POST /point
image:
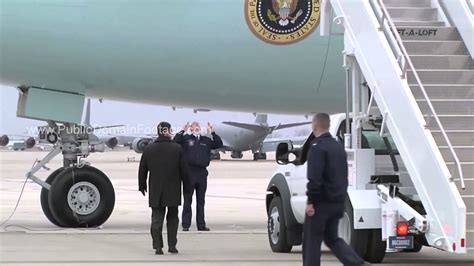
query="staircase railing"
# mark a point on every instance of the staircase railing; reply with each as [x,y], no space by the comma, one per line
[390,30]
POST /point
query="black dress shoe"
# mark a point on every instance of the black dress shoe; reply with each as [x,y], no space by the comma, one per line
[185,229]
[159,251]
[204,229]
[173,250]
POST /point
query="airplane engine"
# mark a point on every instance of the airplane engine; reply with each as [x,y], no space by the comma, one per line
[111,142]
[4,140]
[30,143]
[139,144]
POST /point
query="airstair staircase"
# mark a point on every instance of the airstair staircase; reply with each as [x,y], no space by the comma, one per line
[428,103]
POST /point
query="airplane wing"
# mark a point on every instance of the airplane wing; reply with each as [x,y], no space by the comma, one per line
[252,127]
[103,127]
[282,126]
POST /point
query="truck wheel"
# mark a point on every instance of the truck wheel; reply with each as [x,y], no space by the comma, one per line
[357,239]
[277,227]
[376,247]
[44,197]
[81,197]
[416,247]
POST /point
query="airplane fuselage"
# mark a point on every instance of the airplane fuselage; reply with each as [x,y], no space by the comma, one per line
[185,53]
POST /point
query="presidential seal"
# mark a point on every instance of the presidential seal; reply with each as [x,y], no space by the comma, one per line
[282,21]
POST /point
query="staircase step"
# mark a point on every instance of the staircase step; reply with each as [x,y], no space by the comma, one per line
[444,91]
[467,170]
[469,183]
[442,61]
[413,13]
[417,47]
[470,238]
[419,23]
[469,201]
[437,76]
[470,223]
[448,107]
[407,3]
[452,122]
[464,153]
[457,137]
[429,33]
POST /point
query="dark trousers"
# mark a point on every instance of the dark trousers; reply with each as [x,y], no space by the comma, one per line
[323,225]
[199,183]
[172,222]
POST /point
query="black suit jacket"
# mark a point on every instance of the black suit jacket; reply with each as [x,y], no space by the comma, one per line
[165,163]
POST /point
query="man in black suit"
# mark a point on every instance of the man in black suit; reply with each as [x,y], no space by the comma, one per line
[327,189]
[165,161]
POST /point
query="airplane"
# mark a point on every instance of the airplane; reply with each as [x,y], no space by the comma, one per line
[239,137]
[17,142]
[215,55]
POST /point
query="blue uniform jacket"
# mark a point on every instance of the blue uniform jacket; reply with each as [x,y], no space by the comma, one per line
[327,171]
[198,152]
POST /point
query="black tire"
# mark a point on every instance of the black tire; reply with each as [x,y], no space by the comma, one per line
[263,156]
[416,247]
[58,197]
[280,243]
[376,247]
[358,239]
[44,197]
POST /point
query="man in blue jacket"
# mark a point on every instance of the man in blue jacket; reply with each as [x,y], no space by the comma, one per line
[327,188]
[197,150]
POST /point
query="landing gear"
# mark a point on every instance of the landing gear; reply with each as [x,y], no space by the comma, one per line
[215,156]
[259,156]
[81,197]
[236,155]
[76,195]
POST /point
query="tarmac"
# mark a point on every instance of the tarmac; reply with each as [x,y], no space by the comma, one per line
[235,212]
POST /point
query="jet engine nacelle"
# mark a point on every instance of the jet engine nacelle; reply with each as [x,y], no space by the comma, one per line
[139,144]
[111,142]
[4,140]
[30,142]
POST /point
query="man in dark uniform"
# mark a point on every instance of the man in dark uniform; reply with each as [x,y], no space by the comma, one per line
[198,154]
[327,188]
[165,161]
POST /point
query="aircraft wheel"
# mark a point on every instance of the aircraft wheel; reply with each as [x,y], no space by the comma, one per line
[216,156]
[81,197]
[259,156]
[356,238]
[276,228]
[236,155]
[44,197]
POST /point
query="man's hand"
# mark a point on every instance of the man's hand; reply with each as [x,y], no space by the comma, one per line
[143,191]
[210,128]
[186,127]
[310,209]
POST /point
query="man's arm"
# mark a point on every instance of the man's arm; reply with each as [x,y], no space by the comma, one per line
[142,174]
[184,173]
[179,137]
[216,141]
[316,165]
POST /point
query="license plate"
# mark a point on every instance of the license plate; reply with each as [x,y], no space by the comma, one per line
[400,242]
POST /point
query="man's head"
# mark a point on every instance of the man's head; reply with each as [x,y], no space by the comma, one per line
[321,123]
[195,128]
[164,129]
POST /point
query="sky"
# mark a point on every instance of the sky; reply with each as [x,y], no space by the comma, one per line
[132,115]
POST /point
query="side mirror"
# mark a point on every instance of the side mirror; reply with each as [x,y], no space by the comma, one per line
[283,152]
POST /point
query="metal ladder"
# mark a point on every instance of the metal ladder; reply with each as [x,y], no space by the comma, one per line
[395,43]
[446,70]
